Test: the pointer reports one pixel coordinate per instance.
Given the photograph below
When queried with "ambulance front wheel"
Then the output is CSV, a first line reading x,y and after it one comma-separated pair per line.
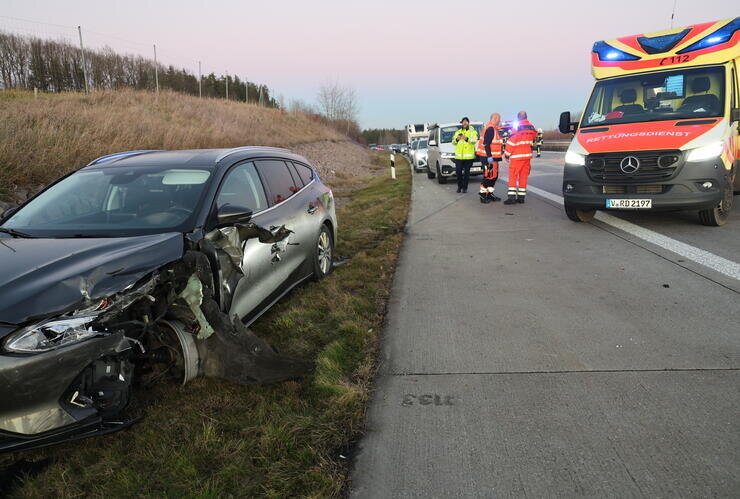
x,y
579,215
717,216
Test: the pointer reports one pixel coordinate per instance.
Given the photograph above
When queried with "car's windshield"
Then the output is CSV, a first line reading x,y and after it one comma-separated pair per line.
x,y
448,132
110,202
668,95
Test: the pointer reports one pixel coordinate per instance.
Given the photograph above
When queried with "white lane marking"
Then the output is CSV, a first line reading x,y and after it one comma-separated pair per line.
x,y
697,255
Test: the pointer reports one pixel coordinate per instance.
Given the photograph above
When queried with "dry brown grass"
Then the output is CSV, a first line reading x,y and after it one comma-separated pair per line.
x,y
43,138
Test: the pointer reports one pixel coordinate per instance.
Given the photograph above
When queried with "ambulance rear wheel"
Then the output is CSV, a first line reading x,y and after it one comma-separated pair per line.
x,y
717,216
579,215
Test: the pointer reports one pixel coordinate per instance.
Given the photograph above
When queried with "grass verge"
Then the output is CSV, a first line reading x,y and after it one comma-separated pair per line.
x,y
212,438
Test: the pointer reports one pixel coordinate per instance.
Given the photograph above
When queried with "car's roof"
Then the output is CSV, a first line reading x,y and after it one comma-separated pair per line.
x,y
203,158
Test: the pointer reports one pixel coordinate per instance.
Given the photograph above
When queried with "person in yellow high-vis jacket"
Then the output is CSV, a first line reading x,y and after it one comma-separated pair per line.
x,y
464,141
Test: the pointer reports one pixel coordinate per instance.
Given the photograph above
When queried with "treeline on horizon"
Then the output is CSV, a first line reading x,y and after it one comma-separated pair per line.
x,y
56,66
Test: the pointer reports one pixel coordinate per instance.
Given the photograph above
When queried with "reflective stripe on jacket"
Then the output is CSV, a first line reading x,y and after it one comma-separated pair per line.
x,y
520,142
496,143
465,149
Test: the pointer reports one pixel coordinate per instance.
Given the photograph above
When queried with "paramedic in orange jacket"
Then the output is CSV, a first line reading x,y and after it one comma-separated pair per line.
x,y
488,149
519,155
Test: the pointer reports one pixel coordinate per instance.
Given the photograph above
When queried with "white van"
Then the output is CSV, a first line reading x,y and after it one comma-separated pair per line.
x,y
441,151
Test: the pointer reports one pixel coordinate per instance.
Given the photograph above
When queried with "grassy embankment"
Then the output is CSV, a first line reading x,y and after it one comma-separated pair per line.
x,y
212,438
43,138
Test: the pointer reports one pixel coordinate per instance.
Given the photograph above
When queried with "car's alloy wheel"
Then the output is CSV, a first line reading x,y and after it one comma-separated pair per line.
x,y
323,263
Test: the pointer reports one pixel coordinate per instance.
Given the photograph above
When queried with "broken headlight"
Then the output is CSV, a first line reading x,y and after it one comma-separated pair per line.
x,y
51,334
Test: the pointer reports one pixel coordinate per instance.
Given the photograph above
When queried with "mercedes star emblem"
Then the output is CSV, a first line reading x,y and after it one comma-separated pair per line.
x,y
629,165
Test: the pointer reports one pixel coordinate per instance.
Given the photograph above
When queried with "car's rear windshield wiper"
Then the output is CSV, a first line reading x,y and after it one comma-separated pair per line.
x,y
15,233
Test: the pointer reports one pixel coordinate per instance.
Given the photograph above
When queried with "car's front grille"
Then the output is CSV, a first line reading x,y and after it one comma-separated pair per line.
x,y
632,189
620,167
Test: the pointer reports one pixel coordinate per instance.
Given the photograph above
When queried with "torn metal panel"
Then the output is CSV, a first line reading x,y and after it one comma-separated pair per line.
x,y
227,246
238,355
233,351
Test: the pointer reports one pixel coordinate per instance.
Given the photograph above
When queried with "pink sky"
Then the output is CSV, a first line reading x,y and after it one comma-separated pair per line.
x,y
409,61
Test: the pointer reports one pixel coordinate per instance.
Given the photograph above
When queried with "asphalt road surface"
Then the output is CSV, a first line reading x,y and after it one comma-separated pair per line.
x,y
527,355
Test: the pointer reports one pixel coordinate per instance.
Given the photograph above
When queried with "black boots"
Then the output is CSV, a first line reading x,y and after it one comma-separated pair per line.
x,y
487,197
514,199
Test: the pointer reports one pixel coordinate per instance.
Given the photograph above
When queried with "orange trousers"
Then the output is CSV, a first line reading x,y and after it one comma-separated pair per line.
x,y
518,175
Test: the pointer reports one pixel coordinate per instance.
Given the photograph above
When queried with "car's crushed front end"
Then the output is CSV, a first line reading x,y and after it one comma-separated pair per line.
x,y
129,311
68,346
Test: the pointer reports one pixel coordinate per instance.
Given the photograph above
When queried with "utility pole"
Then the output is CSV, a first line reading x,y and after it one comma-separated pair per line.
x,y
227,85
84,64
156,69
246,91
200,82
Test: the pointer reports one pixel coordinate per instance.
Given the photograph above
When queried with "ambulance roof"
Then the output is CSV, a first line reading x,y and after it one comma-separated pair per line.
x,y
708,43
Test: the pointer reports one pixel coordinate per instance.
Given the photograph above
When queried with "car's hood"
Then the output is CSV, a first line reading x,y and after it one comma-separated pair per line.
x,y
41,277
644,136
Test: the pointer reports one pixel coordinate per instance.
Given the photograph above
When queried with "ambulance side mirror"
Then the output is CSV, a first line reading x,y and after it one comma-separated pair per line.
x,y
565,125
432,142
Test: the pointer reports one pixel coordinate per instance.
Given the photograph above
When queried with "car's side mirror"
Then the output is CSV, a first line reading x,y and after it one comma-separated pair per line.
x,y
735,114
230,215
432,142
565,125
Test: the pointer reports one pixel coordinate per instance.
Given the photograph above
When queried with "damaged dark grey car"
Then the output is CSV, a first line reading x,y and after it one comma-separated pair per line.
x,y
150,265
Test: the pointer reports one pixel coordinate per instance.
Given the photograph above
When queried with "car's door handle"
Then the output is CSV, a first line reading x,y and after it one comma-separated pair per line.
x,y
312,208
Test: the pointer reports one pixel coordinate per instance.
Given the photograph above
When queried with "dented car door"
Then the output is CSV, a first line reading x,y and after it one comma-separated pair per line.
x,y
243,187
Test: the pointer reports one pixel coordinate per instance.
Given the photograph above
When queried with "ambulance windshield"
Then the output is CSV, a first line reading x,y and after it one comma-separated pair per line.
x,y
668,95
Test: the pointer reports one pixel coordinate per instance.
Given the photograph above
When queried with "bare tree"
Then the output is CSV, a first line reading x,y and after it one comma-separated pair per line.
x,y
299,106
339,103
330,99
